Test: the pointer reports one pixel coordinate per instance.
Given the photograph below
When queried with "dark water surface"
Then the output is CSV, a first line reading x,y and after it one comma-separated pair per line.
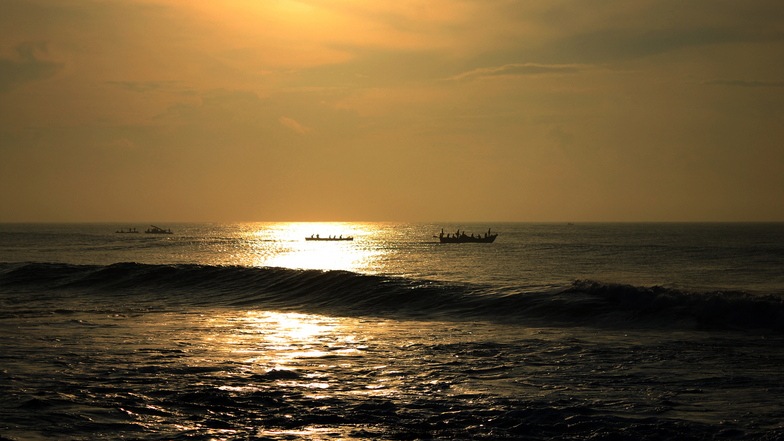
x,y
246,331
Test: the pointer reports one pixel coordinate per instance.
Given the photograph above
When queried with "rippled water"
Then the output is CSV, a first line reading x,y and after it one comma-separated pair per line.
x,y
404,338
215,375
744,257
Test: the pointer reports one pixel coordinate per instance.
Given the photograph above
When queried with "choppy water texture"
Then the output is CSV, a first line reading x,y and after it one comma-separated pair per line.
x,y
246,331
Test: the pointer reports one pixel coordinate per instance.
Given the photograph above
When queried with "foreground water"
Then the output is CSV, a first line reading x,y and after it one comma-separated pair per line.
x,y
246,331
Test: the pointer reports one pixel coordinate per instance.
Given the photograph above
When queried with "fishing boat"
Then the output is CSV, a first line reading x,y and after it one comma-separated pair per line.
x,y
316,237
130,230
462,237
157,230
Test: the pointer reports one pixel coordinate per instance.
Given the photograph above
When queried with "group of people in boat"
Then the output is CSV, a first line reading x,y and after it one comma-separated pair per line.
x,y
158,230
152,230
317,237
459,235
462,237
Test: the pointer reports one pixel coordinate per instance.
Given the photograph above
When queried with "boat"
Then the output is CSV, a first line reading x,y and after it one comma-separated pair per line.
x,y
330,238
157,230
462,237
130,230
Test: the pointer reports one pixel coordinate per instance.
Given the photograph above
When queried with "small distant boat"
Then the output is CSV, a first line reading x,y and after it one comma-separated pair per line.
x,y
462,237
158,230
130,230
316,237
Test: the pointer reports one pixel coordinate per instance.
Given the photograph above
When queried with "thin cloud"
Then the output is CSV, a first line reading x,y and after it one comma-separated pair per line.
x,y
517,70
28,67
607,45
743,83
293,125
228,103
142,86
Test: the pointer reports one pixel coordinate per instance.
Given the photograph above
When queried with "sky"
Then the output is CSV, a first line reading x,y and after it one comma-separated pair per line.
x,y
356,110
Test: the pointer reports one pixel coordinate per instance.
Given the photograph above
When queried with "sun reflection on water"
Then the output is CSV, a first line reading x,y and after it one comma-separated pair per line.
x,y
377,247
284,245
281,340
318,355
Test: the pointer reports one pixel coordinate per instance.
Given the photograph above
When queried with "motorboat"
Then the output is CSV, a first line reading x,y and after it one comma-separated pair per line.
x,y
157,230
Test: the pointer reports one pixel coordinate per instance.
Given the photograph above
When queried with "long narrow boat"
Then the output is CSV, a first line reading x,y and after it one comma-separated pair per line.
x,y
462,237
316,237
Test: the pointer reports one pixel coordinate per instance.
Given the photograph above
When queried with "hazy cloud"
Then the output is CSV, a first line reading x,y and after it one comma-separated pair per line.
x,y
234,104
743,83
602,46
293,125
608,45
534,102
27,67
221,96
517,69
142,86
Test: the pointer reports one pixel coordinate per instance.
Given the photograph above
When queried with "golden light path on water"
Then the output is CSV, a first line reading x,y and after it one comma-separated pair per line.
x,y
284,245
290,337
306,359
320,356
317,361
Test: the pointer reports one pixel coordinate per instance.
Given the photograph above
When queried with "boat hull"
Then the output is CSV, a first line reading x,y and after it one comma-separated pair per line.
x,y
327,239
157,230
468,239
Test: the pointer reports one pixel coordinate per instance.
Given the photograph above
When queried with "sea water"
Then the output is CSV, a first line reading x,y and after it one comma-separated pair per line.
x,y
247,331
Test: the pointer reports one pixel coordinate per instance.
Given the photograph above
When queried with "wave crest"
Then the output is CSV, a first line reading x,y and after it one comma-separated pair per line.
x,y
584,303
706,309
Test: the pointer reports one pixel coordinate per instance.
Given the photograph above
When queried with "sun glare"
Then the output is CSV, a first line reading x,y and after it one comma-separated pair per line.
x,y
285,245
275,340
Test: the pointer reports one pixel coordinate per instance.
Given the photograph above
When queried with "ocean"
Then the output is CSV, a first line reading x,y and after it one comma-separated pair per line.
x,y
246,331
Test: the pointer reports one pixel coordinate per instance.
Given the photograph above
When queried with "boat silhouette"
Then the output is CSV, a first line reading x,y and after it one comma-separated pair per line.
x,y
157,230
462,237
330,238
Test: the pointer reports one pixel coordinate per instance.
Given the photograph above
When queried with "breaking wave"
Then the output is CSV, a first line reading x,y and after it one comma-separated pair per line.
x,y
26,287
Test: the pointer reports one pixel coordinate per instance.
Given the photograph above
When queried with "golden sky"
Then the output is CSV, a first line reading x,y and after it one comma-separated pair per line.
x,y
357,110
